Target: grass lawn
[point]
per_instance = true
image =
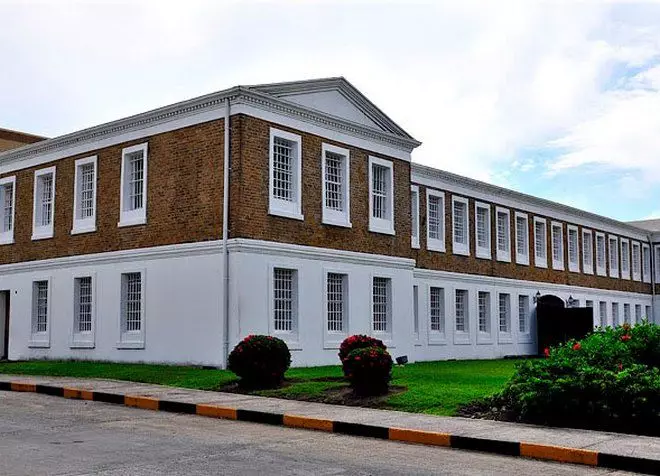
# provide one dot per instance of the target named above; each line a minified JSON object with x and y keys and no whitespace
{"x":431,"y":387}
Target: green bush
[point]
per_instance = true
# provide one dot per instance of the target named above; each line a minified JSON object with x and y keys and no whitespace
{"x":609,"y":380}
{"x":260,"y":361}
{"x":358,"y":341}
{"x":369,"y":370}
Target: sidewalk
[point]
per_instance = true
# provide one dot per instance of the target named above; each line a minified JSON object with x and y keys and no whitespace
{"x":611,"y":450}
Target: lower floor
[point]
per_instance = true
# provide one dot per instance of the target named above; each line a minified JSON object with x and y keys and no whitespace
{"x":165,"y":305}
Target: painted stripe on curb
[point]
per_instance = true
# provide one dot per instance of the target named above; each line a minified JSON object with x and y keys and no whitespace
{"x":419,"y":436}
{"x":559,"y":453}
{"x":215,"y":411}
{"x":107,"y":397}
{"x":78,"y":394}
{"x":50,"y":390}
{"x":146,"y":403}
{"x":256,"y":416}
{"x":5,"y":386}
{"x":629,"y":463}
{"x":510,"y":448}
{"x":360,"y":429}
{"x":309,"y":423}
{"x":177,"y":407}
{"x":23,"y":387}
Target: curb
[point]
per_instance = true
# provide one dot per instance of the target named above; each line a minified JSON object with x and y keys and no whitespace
{"x":509,"y":448}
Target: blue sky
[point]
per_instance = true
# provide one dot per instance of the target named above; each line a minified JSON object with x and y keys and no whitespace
{"x":556,"y":99}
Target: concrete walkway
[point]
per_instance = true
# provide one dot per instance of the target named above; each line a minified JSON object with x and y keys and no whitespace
{"x":612,"y":450}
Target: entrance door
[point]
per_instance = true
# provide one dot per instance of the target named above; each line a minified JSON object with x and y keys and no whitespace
{"x":4,"y":325}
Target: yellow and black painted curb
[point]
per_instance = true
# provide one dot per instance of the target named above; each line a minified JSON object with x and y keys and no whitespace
{"x":502,"y":447}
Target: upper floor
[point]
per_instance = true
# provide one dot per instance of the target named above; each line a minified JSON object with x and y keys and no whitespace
{"x":13,"y":139}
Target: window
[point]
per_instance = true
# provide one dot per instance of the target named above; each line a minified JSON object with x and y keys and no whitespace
{"x":416,"y":311}
{"x":613,"y":243}
{"x":657,"y":263}
{"x":285,"y":300}
{"x":504,"y":306}
{"x":435,"y":221}
{"x":602,"y":312}
{"x":589,"y":303}
{"x":7,"y":208}
{"x":503,"y":235}
{"x":381,"y":305}
{"x":523,"y":314}
{"x":132,"y":310}
{"x":587,"y":252}
{"x":638,"y":313}
{"x":482,"y":229}
{"x":381,"y":196}
{"x":133,"y":196}
{"x":625,"y":259}
{"x":461,"y":311}
{"x":84,"y":196}
{"x":540,"y":243}
{"x":522,"y":239}
{"x":437,"y":309}
{"x":573,"y":259}
{"x":83,"y":313}
{"x":615,"y":313}
{"x":336,"y":287}
{"x":646,"y":263}
{"x":626,"y":313}
{"x":461,"y":226}
{"x":44,"y":203}
{"x":600,"y":254}
{"x":483,"y":298}
{"x":414,"y":216}
{"x":40,"y":314}
{"x":636,"y":265}
{"x":557,"y":245}
{"x":647,"y":315}
{"x":336,"y":186}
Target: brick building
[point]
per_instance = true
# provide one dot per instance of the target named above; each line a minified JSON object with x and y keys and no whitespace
{"x":167,"y":237}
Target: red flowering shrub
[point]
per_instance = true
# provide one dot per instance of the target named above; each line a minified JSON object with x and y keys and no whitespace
{"x":577,"y":346}
{"x":357,"y":341}
{"x":369,"y":370}
{"x":260,"y":361}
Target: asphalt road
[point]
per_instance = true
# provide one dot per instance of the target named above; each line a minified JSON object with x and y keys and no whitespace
{"x":50,"y":435}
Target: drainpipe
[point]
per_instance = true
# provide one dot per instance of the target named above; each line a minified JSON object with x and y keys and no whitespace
{"x":224,"y":311}
{"x":653,"y":268}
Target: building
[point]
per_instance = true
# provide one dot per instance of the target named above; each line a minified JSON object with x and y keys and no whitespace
{"x":167,"y":237}
{"x":14,"y":139}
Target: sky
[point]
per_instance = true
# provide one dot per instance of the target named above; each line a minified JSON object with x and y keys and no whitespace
{"x":556,"y":99}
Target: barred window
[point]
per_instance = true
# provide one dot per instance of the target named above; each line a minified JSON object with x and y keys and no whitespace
{"x":600,"y":252}
{"x":284,"y":299}
{"x":83,"y":294}
{"x":573,"y":246}
{"x":587,"y":252}
{"x":522,"y":239}
{"x":484,"y":311}
{"x":625,"y":257}
{"x":136,"y":180}
{"x":523,"y":314}
{"x":483,"y":228}
{"x":638,"y":313}
{"x":381,"y":304}
{"x":132,"y":306}
{"x":283,"y":158}
{"x":435,"y":221}
{"x":504,"y":311}
{"x":614,"y":256}
{"x":379,"y":191}
{"x":602,"y":313}
{"x":503,"y":232}
{"x":334,"y":183}
{"x":45,"y":195}
{"x":336,"y":301}
{"x":40,"y":307}
{"x":87,"y":191}
{"x":461,"y":310}
{"x":646,"y":263}
{"x":647,"y":315}
{"x":557,"y":245}
{"x":414,"y":217}
{"x":437,"y":308}
{"x":416,"y":310}
{"x":635,"y":260}
{"x":133,"y":199}
{"x":540,"y":243}
{"x":7,"y":197}
{"x":626,"y":313}
{"x":461,"y":231}
{"x":615,"y":313}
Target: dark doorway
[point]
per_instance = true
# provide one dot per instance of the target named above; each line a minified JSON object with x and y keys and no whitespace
{"x":4,"y":325}
{"x":556,"y":323}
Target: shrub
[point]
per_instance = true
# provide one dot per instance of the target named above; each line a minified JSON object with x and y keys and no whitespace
{"x":260,"y":361}
{"x":358,"y":341}
{"x":369,"y":370}
{"x":609,"y":380}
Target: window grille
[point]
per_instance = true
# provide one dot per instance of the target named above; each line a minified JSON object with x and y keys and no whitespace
{"x":335,"y":302}
{"x":460,"y":235}
{"x":573,"y":246}
{"x":461,"y":310}
{"x":434,"y":219}
{"x":484,"y":311}
{"x":46,"y":203}
{"x":635,"y":259}
{"x":84,"y":304}
{"x":587,"y":256}
{"x":416,"y":310}
{"x":626,"y":313}
{"x":646,"y":252}
{"x":502,"y":232}
{"x":615,"y":313}
{"x":414,"y":214}
{"x":283,"y":299}
{"x":437,"y":296}
{"x":379,"y":191}
{"x":482,"y":228}
{"x":625,"y":257}
{"x":523,"y":314}
{"x":557,"y":251}
{"x":136,"y":180}
{"x":614,"y":255}
{"x":539,"y":239}
{"x":380,"y":304}
{"x":505,"y":311}
{"x":334,"y":181}
{"x":133,"y":302}
{"x":638,"y":313}
{"x":602,"y":311}
{"x":600,"y":251}
{"x":521,"y":236}
{"x":283,"y":158}
{"x":648,"y":313}
{"x":41,"y":306}
{"x":7,"y":207}
{"x":86,"y":191}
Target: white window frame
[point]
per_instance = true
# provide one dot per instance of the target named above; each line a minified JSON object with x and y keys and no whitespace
{"x":656,"y":264}
{"x":381,"y":225}
{"x":615,"y":314}
{"x":460,"y":248}
{"x":132,"y":339}
{"x":524,"y":335}
{"x":415,"y":297}
{"x":40,"y":232}
{"x":638,"y":313}
{"x":503,"y":255}
{"x":627,"y":313}
{"x":437,"y":337}
{"x":573,"y":266}
{"x":83,"y":225}
{"x":587,"y":236}
{"x":436,"y":244}
{"x":7,"y":237}
{"x":290,"y":337}
{"x":138,"y":216}
{"x":625,"y":272}
{"x":647,"y":313}
{"x":602,"y":314}
{"x":41,"y":339}
{"x":482,"y":251}
{"x":414,"y":218}
{"x":541,"y":261}
{"x":522,"y":258}
{"x":85,"y":339}
{"x":504,"y":337}
{"x":614,"y":271}
{"x":462,"y":337}
{"x":646,"y":263}
{"x":385,"y":335}
{"x":557,"y":264}
{"x":601,"y":270}
{"x":636,"y":275}
{"x":331,"y":216}
{"x":332,"y":339}
{"x":485,"y":336}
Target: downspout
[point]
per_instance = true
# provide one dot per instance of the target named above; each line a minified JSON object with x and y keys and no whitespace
{"x":224,"y":312}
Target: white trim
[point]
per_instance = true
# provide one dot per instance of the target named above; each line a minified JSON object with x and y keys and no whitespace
{"x":41,"y":339}
{"x":485,"y":337}
{"x":137,"y":216}
{"x":636,"y":276}
{"x":436,"y":337}
{"x":330,"y":216}
{"x":292,"y":338}
{"x":541,"y":261}
{"x":503,"y":255}
{"x":462,"y":337}
{"x":279,"y":207}
{"x":43,"y":232}
{"x":83,"y":340}
{"x":86,"y":225}
{"x":601,"y":270}
{"x":504,"y":337}
{"x":385,"y":336}
{"x":460,"y":248}
{"x":573,"y":266}
{"x":482,"y":251}
{"x":133,"y":339}
{"x":381,"y":225}
{"x":587,"y":268}
{"x":7,"y":237}
{"x":557,"y":264}
{"x":333,"y":339}
{"x":626,"y":273}
{"x":414,"y":210}
{"x":614,"y":271}
{"x":524,"y":257}
{"x":436,"y":244}
{"x":646,"y":273}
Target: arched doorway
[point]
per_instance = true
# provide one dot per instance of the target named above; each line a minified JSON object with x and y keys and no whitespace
{"x":556,"y":323}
